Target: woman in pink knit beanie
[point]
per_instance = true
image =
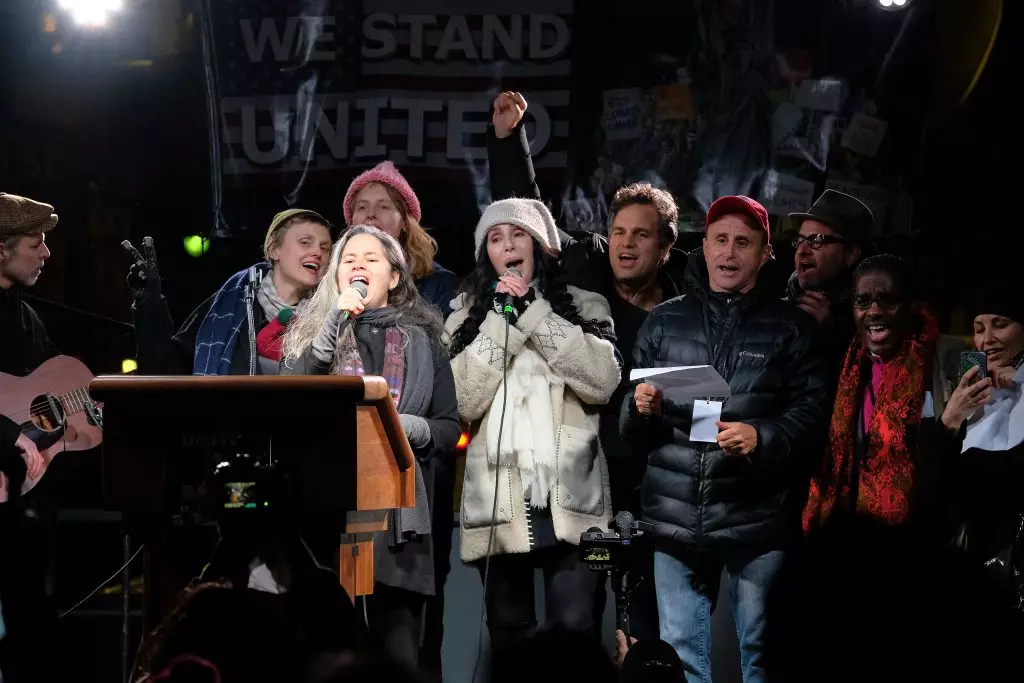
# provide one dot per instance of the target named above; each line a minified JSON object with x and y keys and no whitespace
{"x":382,"y":197}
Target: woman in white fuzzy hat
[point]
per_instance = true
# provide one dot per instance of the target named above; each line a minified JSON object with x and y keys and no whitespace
{"x":527,"y":347}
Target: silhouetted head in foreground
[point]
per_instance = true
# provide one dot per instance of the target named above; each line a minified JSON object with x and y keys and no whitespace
{"x":651,"y":661}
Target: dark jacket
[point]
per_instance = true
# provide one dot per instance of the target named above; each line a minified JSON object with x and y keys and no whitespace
{"x":439,"y":288}
{"x":693,"y":492}
{"x":9,"y":433}
{"x":834,"y":337}
{"x":987,"y":488}
{"x":24,"y":346}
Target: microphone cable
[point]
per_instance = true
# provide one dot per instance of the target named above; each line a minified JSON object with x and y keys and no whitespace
{"x":494,"y":506}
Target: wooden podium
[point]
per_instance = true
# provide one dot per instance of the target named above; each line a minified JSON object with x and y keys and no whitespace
{"x":338,"y":440}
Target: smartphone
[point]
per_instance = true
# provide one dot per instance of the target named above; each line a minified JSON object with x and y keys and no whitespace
{"x":969,"y":359}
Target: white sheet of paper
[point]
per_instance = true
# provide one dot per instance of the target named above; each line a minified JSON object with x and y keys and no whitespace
{"x":928,"y":409}
{"x":705,"y":415}
{"x":685,"y":381}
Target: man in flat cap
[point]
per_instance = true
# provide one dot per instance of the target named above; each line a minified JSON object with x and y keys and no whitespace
{"x":25,"y":613}
{"x":834,"y":236}
{"x":23,"y":251}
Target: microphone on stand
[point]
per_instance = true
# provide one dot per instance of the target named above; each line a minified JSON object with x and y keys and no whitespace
{"x":506,"y":306}
{"x":360,"y":287}
{"x":624,"y":524}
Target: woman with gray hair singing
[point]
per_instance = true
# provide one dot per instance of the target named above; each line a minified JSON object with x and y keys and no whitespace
{"x":393,"y":332}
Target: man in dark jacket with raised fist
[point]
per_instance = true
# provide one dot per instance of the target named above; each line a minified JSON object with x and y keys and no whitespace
{"x":726,"y":481}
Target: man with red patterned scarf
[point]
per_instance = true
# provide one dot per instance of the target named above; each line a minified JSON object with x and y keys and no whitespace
{"x":889,"y":440}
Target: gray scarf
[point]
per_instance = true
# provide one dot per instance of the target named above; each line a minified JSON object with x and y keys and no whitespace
{"x":269,"y":300}
{"x":416,"y":393}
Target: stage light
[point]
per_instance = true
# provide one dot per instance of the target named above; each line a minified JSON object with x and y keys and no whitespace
{"x":90,"y":12}
{"x":893,"y":5}
{"x":196,"y":245}
{"x":128,"y":366}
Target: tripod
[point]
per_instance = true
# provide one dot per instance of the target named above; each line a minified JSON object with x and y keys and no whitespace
{"x":252,"y":538}
{"x":623,"y":586}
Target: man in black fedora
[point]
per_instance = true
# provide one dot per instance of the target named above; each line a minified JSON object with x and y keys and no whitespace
{"x":834,"y":236}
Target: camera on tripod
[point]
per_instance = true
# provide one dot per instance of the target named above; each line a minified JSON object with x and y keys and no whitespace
{"x":604,"y":551}
{"x":616,"y":552}
{"x":241,"y":483}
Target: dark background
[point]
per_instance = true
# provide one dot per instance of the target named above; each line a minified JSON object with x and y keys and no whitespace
{"x":121,"y":149}
{"x":110,"y":126}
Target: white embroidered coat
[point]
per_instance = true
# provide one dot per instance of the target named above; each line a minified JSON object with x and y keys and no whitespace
{"x":583,"y":373}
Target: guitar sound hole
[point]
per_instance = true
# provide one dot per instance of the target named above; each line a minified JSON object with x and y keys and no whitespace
{"x":46,"y":416}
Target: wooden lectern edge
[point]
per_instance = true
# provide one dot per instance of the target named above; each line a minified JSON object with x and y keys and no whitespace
{"x":393,"y":428}
{"x":374,"y":388}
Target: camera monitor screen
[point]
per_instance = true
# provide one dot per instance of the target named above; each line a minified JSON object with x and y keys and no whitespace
{"x":240,"y":494}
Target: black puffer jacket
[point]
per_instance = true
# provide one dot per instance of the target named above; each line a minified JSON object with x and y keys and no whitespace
{"x":693,"y":492}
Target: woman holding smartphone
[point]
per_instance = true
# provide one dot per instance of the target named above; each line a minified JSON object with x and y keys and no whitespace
{"x":990,"y":470}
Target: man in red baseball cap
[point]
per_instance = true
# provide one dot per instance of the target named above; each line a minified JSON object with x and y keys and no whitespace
{"x":737,"y":243}
{"x":725,"y":479}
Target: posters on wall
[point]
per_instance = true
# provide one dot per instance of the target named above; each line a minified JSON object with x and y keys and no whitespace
{"x":767,"y":106}
{"x":622,"y":111}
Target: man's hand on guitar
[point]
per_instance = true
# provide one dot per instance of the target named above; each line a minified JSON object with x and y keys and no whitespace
{"x":30,"y":454}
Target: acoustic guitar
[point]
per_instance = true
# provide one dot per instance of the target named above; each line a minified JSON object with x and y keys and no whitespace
{"x":53,"y":407}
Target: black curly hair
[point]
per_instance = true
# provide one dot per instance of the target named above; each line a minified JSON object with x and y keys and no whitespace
{"x":478,"y":287}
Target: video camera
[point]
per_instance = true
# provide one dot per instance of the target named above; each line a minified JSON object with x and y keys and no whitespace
{"x":242,"y":483}
{"x":228,"y":478}
{"x":604,"y":551}
{"x":616,"y":553}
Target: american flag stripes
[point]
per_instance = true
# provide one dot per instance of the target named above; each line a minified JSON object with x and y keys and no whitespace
{"x":350,"y":83}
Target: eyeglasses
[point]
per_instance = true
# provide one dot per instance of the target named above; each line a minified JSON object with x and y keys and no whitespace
{"x":817,"y":241}
{"x":885,"y":301}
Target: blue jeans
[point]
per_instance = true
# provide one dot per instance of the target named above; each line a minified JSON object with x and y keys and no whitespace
{"x":687,"y":585}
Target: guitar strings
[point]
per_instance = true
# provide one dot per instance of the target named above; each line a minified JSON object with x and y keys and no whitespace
{"x":76,"y":399}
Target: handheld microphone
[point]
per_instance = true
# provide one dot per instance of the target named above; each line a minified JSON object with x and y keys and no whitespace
{"x":360,"y":287}
{"x":507,"y":307}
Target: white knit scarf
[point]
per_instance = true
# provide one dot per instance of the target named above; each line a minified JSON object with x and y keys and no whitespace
{"x":528,"y":436}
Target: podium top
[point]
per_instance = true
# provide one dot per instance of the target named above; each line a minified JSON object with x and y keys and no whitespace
{"x":106,"y":387}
